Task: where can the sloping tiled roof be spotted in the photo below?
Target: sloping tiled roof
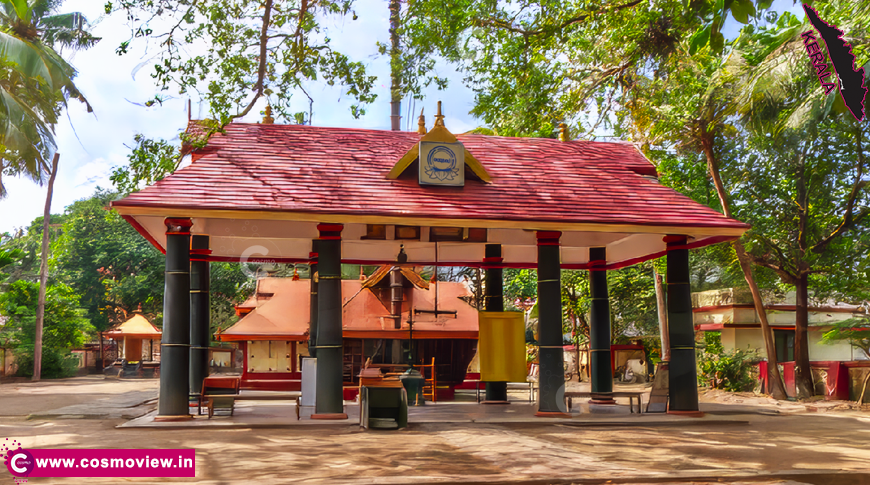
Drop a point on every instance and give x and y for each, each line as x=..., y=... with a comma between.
x=136, y=326
x=286, y=316
x=318, y=170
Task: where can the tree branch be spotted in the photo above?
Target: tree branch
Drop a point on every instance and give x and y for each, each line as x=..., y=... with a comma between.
x=849, y=219
x=787, y=277
x=505, y=25
x=261, y=69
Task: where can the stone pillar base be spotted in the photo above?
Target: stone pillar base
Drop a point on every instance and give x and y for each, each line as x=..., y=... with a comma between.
x=688, y=414
x=548, y=414
x=329, y=416
x=182, y=417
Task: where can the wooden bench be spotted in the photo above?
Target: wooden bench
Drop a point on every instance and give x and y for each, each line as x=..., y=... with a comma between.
x=219, y=393
x=631, y=395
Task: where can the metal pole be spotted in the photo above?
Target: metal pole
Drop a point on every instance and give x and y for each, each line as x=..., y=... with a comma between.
x=599, y=329
x=200, y=311
x=493, y=301
x=329, y=403
x=682, y=373
x=173, y=399
x=551, y=402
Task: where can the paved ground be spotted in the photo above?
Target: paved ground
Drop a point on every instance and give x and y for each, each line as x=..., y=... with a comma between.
x=754, y=441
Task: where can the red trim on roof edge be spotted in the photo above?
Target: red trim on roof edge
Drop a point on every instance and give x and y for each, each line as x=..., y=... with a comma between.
x=133, y=222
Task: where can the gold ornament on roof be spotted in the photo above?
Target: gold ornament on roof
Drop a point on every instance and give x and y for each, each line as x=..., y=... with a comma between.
x=563, y=132
x=439, y=118
x=267, y=117
x=421, y=123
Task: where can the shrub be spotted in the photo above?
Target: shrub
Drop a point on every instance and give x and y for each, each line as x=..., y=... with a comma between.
x=730, y=371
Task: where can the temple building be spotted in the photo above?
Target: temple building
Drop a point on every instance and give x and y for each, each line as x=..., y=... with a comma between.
x=327, y=196
x=388, y=319
x=138, y=339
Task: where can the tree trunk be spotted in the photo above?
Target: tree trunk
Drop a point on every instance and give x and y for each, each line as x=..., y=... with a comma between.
x=774, y=378
x=663, y=317
x=395, y=68
x=43, y=274
x=803, y=374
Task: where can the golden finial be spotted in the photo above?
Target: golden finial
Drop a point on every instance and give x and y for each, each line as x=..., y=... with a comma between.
x=421, y=123
x=439, y=118
x=563, y=132
x=267, y=118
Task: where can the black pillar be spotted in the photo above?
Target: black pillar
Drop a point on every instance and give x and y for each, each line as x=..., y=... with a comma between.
x=175, y=345
x=682, y=373
x=493, y=301
x=312, y=326
x=599, y=329
x=551, y=372
x=200, y=311
x=329, y=403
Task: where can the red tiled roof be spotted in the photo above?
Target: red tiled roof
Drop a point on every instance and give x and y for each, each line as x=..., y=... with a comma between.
x=321, y=170
x=286, y=316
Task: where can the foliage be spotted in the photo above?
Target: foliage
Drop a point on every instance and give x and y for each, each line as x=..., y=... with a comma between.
x=533, y=65
x=150, y=161
x=244, y=51
x=26, y=245
x=228, y=288
x=113, y=268
x=731, y=371
x=7, y=257
x=65, y=326
x=35, y=82
x=855, y=330
x=632, y=301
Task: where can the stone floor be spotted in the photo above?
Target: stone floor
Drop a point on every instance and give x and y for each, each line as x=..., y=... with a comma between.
x=755, y=441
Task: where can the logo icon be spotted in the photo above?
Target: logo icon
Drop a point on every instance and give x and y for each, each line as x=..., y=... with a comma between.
x=851, y=80
x=19, y=462
x=441, y=164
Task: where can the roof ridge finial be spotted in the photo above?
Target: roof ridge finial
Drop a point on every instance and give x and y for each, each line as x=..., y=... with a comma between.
x=563, y=132
x=439, y=118
x=267, y=116
x=421, y=123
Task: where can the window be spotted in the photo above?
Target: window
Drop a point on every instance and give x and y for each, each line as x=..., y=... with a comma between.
x=476, y=235
x=376, y=231
x=445, y=234
x=438, y=234
x=408, y=232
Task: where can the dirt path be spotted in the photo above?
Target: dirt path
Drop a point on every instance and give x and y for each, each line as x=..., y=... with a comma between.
x=790, y=449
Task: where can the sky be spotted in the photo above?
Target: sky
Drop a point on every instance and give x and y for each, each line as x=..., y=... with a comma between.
x=91, y=145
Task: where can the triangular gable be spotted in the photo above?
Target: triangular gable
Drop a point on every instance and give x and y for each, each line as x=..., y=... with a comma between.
x=439, y=133
x=408, y=273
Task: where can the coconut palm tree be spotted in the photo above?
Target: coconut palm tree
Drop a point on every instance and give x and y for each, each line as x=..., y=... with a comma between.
x=35, y=82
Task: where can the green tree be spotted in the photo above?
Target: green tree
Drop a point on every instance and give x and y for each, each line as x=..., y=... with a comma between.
x=110, y=265
x=65, y=327
x=246, y=50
